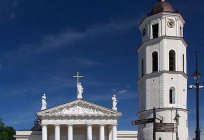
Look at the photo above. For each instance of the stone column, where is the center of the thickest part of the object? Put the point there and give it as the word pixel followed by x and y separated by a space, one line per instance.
pixel 44 132
pixel 70 132
pixel 110 134
pixel 102 134
pixel 89 132
pixel 114 130
pixel 57 132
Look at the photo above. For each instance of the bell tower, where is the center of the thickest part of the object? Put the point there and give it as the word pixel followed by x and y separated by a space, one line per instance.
pixel 162 82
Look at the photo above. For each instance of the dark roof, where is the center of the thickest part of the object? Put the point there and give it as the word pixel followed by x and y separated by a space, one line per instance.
pixel 37 126
pixel 162 6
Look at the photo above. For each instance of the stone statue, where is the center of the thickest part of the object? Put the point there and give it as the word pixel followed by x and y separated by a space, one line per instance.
pixel 80 90
pixel 115 102
pixel 44 103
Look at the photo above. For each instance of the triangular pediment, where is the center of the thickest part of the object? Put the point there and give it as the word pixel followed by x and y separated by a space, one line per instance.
pixel 78 108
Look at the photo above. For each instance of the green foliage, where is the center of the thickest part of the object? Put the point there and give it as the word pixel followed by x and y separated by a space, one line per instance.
pixel 6 132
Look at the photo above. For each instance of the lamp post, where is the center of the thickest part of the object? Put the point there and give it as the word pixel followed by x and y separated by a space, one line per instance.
pixel 197 86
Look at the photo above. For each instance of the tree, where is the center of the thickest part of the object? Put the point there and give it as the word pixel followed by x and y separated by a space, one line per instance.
pixel 6 132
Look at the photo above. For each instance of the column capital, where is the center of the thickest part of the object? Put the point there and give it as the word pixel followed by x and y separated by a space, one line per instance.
pixel 101 124
pixel 89 124
pixel 44 125
pixel 71 124
pixel 56 125
pixel 114 124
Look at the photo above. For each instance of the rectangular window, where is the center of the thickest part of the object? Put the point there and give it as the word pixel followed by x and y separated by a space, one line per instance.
pixel 142 67
pixel 155 30
pixel 181 31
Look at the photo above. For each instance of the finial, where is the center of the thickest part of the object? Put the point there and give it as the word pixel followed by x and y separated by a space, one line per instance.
pixel 80 89
pixel 115 102
pixel 44 103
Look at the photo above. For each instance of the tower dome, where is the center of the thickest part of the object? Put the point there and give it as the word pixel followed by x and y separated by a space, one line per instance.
pixel 162 6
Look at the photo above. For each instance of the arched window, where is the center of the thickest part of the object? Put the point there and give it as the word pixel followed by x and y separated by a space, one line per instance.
pixel 155 61
pixel 172 96
pixel 172 60
pixel 142 67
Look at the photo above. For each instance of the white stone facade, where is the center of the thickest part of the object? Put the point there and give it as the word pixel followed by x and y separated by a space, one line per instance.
pixel 78 120
pixel 37 135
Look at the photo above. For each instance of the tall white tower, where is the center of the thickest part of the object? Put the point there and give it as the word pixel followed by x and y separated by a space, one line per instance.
pixel 162 72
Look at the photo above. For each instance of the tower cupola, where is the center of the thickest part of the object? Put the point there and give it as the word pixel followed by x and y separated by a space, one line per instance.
pixel 162 21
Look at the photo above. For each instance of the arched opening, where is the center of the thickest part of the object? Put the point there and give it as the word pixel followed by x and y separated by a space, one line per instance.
pixel 172 96
pixel 172 60
pixel 155 61
pixel 155 30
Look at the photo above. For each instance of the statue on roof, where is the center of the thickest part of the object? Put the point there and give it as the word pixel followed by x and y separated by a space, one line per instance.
pixel 44 103
pixel 115 102
pixel 80 90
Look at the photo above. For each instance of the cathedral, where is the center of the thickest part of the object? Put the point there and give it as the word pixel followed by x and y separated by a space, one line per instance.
pixel 162 92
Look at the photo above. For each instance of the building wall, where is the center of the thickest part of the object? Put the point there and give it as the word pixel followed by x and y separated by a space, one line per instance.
pixel 36 135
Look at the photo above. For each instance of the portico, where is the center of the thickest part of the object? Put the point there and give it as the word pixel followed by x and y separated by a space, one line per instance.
pixel 79 120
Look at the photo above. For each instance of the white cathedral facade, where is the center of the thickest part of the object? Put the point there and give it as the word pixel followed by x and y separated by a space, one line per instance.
pixel 162 92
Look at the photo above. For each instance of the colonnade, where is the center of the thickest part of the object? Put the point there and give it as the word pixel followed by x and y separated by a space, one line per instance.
pixel 70 132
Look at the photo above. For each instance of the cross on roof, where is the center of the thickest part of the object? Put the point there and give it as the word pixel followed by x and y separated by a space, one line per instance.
pixel 77 76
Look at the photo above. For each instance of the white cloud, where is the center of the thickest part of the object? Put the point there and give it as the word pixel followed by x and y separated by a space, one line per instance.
pixel 122 92
pixel 86 61
pixel 69 36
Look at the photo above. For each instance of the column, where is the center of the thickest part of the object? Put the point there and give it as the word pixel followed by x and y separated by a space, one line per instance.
pixel 89 132
pixel 57 132
pixel 114 130
pixel 102 134
pixel 70 132
pixel 110 135
pixel 44 132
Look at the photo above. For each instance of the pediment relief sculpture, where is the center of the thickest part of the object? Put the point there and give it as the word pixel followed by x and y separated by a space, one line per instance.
pixel 79 110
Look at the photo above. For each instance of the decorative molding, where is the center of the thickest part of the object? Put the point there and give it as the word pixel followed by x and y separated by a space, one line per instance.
pixel 78 110
pixel 79 122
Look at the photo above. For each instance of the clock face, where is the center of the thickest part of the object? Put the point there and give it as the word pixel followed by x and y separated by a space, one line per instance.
pixel 171 23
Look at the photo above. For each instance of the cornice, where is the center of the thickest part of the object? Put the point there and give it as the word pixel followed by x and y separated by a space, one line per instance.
pixel 162 109
pixel 159 73
pixel 159 39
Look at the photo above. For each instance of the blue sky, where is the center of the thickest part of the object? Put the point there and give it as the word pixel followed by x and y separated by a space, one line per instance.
pixel 43 43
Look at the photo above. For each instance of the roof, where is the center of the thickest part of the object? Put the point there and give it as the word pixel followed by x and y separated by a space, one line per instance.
pixel 78 107
pixel 162 6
